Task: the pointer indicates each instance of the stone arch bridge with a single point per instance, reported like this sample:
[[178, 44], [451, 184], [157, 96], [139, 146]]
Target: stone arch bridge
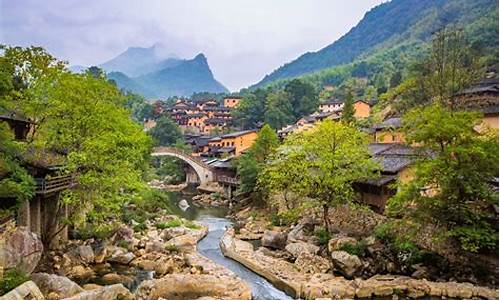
[[205, 172]]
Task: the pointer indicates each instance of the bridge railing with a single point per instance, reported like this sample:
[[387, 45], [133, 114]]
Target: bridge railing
[[186, 154]]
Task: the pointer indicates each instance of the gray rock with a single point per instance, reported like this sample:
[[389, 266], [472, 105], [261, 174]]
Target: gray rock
[[110, 292], [27, 290], [346, 263], [20, 248], [86, 253], [123, 259], [51, 283], [274, 239], [297, 248]]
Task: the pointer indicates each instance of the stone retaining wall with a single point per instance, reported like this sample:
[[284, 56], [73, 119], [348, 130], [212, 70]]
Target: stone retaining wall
[[287, 277]]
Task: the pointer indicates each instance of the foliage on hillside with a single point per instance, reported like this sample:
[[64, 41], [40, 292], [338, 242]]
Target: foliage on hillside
[[391, 37]]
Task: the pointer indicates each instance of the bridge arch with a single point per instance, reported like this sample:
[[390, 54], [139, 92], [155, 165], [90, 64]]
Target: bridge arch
[[205, 172]]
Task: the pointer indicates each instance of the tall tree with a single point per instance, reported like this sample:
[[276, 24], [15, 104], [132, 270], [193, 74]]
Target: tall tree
[[451, 186], [304, 98], [348, 109], [166, 132], [250, 164], [322, 165], [279, 111]]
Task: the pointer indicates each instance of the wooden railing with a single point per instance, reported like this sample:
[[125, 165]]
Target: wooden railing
[[228, 180], [53, 184]]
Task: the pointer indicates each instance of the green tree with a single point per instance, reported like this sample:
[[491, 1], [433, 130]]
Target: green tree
[[166, 132], [251, 110], [84, 117], [279, 111], [348, 109], [321, 164], [139, 107], [250, 164], [451, 186], [304, 98]]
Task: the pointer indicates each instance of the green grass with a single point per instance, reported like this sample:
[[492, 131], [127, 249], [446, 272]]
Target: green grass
[[358, 249], [11, 279], [172, 248], [323, 236], [170, 224], [191, 225]]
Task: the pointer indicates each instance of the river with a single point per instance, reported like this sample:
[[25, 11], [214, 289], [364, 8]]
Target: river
[[217, 223]]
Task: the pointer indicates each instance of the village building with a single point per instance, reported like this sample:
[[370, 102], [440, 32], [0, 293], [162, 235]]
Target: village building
[[389, 131], [362, 109], [41, 214], [333, 105], [231, 144], [231, 102], [481, 97], [395, 161]]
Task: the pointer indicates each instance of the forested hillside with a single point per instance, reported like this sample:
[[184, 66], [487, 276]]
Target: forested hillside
[[391, 35]]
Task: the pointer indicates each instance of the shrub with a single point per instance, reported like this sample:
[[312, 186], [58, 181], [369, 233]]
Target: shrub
[[475, 239], [172, 248], [191, 225], [123, 244], [140, 227], [11, 279], [173, 223], [98, 232], [323, 236], [358, 249]]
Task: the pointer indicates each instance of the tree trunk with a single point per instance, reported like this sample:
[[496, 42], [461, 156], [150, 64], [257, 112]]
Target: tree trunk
[[326, 217]]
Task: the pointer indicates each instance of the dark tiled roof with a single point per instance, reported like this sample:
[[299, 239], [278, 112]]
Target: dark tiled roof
[[394, 163], [332, 102], [239, 133], [376, 148], [490, 110], [389, 123], [393, 157], [215, 121], [380, 181]]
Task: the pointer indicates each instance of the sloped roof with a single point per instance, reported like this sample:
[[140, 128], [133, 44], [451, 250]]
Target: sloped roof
[[238, 133]]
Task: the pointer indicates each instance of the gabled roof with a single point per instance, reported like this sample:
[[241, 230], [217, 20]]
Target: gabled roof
[[389, 123], [237, 134], [332, 102]]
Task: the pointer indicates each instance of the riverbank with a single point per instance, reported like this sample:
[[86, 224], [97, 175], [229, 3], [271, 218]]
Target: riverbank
[[287, 277], [159, 261]]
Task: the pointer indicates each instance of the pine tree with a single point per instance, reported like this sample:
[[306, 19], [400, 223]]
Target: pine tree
[[348, 110]]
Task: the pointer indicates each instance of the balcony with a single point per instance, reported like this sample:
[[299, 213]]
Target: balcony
[[53, 184], [228, 180]]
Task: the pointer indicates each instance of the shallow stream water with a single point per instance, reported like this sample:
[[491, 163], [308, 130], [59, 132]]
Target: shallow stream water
[[217, 223]]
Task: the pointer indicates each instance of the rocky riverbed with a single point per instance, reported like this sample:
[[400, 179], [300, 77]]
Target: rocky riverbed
[[166, 250]]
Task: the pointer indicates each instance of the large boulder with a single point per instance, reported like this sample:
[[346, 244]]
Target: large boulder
[[297, 234], [274, 239], [20, 248], [81, 273], [110, 292], [187, 286], [53, 284], [185, 242], [85, 253], [346, 263], [311, 263], [297, 248], [124, 233], [27, 290], [336, 243], [172, 232], [122, 258]]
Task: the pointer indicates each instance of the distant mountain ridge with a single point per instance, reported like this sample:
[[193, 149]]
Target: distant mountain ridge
[[386, 26], [148, 72]]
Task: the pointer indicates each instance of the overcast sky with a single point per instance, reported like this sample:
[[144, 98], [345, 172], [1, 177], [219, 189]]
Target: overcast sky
[[242, 39]]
